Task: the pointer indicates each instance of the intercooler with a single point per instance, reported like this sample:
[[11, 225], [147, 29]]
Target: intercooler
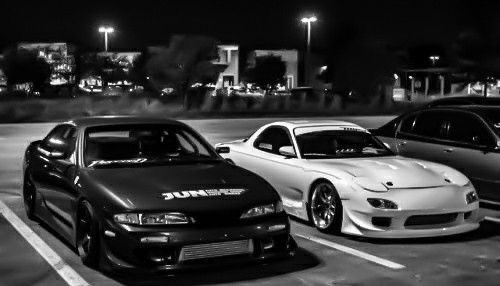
[[216, 249]]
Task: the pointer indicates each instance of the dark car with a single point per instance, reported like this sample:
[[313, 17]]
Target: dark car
[[464, 100], [150, 194], [465, 137]]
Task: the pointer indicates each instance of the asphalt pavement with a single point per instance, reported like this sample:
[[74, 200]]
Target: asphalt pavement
[[469, 259]]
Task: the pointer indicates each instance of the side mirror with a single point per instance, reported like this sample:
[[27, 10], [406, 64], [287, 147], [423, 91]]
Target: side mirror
[[222, 149], [287, 151]]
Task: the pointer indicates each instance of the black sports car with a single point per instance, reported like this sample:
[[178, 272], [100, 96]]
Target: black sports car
[[150, 194]]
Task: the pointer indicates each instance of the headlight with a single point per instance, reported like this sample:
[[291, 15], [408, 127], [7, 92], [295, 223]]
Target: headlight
[[263, 210], [382, 204], [370, 185], [471, 197], [152, 218]]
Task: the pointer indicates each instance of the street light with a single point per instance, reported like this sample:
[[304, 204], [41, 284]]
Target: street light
[[106, 31], [434, 59], [308, 21]]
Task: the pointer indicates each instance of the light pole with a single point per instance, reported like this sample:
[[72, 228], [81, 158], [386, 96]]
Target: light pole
[[106, 31], [307, 61], [308, 21]]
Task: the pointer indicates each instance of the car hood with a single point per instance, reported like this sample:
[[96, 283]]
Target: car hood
[[393, 172], [190, 188]]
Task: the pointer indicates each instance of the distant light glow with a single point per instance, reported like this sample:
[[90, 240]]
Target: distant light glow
[[105, 29], [396, 77], [311, 19]]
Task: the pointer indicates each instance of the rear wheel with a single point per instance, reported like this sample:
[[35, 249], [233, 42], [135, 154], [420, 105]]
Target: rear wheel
[[326, 208], [88, 236], [29, 196]]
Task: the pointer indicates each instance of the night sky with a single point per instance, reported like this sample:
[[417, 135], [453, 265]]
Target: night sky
[[257, 23]]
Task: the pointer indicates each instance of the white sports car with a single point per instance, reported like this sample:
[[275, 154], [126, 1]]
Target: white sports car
[[340, 177]]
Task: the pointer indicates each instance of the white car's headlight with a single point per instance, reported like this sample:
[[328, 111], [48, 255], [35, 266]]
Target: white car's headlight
[[370, 185], [263, 210], [168, 218], [471, 197]]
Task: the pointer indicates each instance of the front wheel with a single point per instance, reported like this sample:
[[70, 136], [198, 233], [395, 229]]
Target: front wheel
[[326, 208], [88, 236], [29, 196]]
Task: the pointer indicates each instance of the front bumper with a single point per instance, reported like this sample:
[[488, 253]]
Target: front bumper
[[269, 238], [421, 213]]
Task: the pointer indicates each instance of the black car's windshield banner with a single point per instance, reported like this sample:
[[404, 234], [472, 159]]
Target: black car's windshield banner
[[111, 162], [202, 193]]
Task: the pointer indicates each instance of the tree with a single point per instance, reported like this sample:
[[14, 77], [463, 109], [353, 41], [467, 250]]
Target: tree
[[21, 66], [360, 67], [477, 54], [266, 72], [186, 61]]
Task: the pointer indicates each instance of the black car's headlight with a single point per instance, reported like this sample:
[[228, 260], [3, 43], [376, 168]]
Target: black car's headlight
[[264, 210], [168, 218]]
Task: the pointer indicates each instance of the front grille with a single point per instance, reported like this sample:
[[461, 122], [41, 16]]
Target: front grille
[[216, 249], [418, 220]]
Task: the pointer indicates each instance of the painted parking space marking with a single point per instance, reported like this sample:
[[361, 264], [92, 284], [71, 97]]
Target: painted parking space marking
[[492, 219], [352, 251], [69, 275]]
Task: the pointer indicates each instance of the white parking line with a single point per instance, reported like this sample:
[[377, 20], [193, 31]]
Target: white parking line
[[55, 261], [352, 251], [493, 219]]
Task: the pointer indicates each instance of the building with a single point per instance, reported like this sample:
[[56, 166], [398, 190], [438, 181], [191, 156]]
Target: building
[[289, 57], [60, 57], [124, 60], [229, 60]]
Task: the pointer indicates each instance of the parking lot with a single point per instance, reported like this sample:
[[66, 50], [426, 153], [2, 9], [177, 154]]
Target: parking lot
[[33, 255]]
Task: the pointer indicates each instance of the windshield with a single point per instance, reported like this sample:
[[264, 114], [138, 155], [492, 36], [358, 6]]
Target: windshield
[[321, 144], [144, 144]]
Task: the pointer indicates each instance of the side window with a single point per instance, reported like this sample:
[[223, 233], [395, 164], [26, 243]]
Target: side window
[[272, 139], [388, 130], [430, 124], [408, 124], [468, 129]]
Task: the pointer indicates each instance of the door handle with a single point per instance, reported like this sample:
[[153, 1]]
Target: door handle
[[448, 150]]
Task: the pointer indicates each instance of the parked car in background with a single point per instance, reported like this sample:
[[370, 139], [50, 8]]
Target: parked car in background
[[465, 137], [342, 179], [464, 100]]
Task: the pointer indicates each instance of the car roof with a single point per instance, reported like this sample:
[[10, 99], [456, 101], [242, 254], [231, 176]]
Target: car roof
[[469, 107], [311, 123], [92, 121], [463, 100]]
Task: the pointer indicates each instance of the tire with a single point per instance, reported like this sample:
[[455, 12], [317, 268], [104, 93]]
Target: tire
[[87, 242], [325, 208], [29, 197]]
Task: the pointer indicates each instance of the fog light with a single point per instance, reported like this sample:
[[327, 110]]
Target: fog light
[[109, 233], [381, 221], [382, 204], [471, 197], [268, 244], [155, 239]]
